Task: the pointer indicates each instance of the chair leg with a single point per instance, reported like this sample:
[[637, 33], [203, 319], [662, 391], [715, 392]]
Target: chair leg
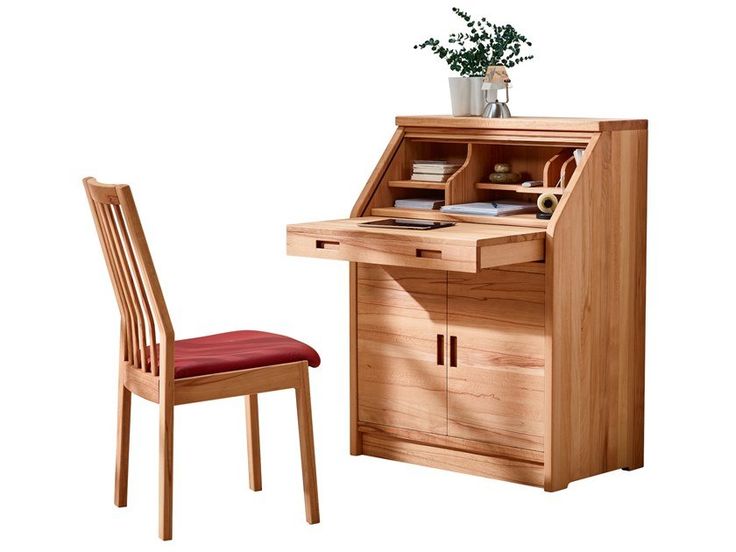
[[123, 447], [254, 442], [166, 465], [306, 440]]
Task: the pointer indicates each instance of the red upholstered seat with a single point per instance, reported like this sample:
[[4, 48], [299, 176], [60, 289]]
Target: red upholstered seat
[[239, 350]]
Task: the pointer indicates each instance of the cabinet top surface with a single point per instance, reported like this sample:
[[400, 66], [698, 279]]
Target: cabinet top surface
[[522, 123]]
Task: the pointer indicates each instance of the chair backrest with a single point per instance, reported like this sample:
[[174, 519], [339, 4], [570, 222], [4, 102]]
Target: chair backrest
[[143, 313]]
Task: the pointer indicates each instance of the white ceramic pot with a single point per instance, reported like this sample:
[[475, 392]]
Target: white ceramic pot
[[467, 96], [460, 96]]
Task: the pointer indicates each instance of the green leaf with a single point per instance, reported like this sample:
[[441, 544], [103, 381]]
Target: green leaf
[[487, 44]]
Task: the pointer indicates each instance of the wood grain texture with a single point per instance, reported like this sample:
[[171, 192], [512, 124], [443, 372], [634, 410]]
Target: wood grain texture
[[146, 360], [511, 254], [463, 247], [488, 137], [253, 442], [462, 186], [595, 314], [417, 184], [400, 313], [496, 390], [144, 320], [508, 469], [525, 452], [567, 170], [122, 452], [306, 446], [518, 188], [543, 361], [166, 459], [355, 440], [521, 123], [250, 381], [142, 384]]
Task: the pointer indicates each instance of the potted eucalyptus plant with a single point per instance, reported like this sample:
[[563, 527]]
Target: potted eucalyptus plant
[[470, 53]]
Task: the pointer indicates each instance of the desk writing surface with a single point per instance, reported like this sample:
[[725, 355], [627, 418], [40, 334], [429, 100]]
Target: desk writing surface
[[462, 233], [465, 247]]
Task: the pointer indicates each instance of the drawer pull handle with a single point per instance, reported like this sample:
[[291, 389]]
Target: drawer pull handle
[[440, 349], [453, 351], [327, 244], [429, 254]]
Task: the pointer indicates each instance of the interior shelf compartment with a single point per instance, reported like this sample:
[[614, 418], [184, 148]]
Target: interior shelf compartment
[[396, 182], [518, 188], [540, 160], [417, 184]]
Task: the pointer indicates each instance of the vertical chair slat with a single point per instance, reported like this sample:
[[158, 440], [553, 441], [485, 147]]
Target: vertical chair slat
[[144, 315], [125, 309], [137, 331], [138, 239], [140, 325], [124, 319], [133, 262], [132, 335]]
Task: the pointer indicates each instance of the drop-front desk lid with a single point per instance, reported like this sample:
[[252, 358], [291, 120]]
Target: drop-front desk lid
[[465, 247]]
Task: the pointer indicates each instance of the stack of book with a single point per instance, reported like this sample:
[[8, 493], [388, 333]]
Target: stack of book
[[492, 208], [433, 171], [419, 203]]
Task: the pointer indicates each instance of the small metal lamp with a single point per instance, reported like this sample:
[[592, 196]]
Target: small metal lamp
[[496, 78]]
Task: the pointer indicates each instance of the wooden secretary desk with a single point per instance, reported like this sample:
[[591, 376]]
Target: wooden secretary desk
[[509, 347]]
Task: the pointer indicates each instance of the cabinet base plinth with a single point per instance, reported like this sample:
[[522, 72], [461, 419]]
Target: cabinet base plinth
[[507, 469]]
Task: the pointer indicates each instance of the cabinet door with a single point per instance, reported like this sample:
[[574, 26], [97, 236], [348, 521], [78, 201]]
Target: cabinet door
[[401, 322], [496, 373]]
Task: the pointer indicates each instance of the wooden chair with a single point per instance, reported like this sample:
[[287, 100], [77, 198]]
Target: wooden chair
[[156, 367]]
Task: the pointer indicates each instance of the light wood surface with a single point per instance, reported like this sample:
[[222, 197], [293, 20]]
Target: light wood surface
[[236, 383], [553, 168], [253, 441], [306, 445], [488, 396], [500, 137], [123, 444], [355, 440], [496, 387], [529, 473], [461, 189], [146, 361], [521, 123], [400, 313], [543, 362], [463, 247], [419, 184], [567, 170], [525, 452], [595, 315], [518, 188]]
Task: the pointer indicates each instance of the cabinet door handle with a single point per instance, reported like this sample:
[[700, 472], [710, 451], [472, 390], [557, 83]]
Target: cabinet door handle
[[453, 351], [440, 349]]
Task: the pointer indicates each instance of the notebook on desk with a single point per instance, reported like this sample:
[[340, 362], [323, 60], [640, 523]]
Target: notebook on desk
[[490, 208]]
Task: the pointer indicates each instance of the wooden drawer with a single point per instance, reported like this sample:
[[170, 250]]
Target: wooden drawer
[[465, 247]]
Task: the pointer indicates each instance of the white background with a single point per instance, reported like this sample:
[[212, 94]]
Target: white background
[[232, 119]]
